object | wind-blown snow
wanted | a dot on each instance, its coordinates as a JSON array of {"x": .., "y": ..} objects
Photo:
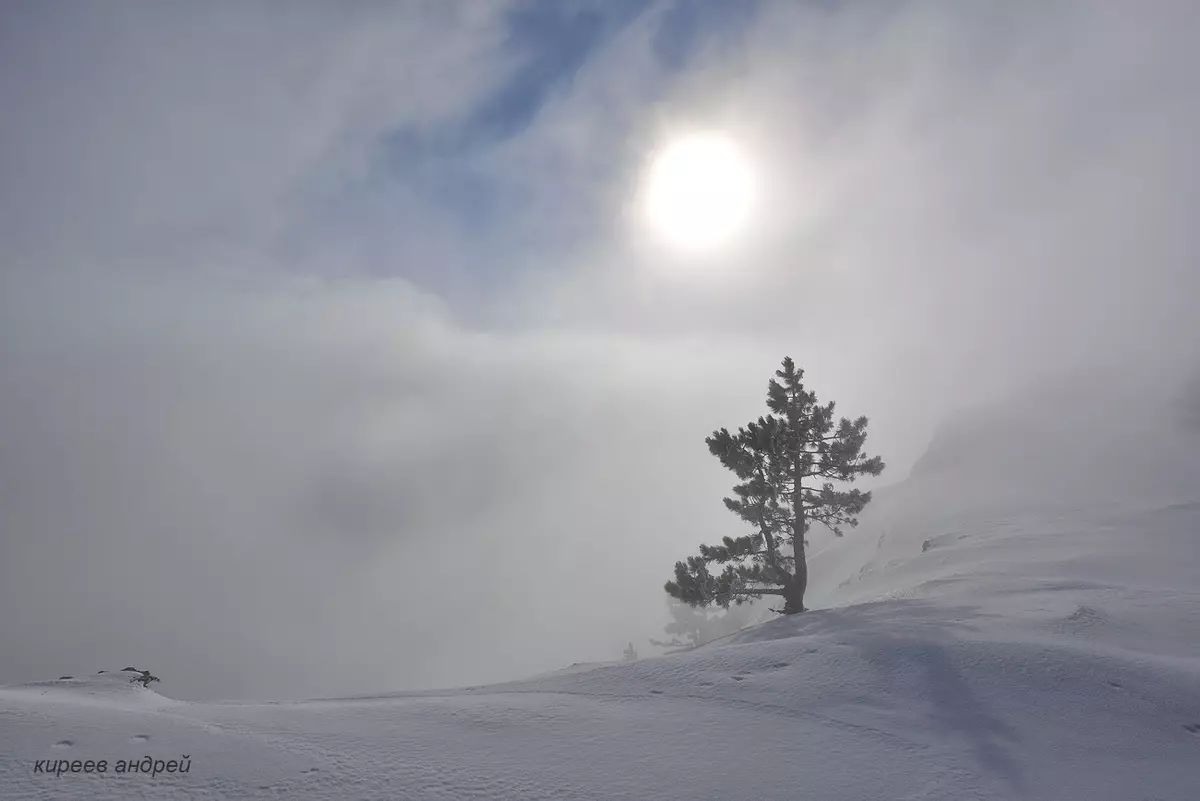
[{"x": 1020, "y": 618}]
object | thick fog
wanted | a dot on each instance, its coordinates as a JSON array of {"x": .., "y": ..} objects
[{"x": 333, "y": 358}]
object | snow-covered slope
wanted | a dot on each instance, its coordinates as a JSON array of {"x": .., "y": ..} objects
[{"x": 1018, "y": 619}]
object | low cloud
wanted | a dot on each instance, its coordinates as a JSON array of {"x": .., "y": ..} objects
[{"x": 324, "y": 437}]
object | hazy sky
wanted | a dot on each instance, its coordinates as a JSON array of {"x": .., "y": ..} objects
[{"x": 333, "y": 357}]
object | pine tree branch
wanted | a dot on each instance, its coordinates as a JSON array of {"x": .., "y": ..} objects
[{"x": 834, "y": 472}]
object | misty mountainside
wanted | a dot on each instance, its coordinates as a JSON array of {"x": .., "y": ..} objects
[
  {"x": 1025, "y": 489},
  {"x": 1018, "y": 618}
]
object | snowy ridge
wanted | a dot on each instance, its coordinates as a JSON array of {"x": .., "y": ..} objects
[
  {"x": 110, "y": 688},
  {"x": 1041, "y": 643},
  {"x": 902, "y": 699}
]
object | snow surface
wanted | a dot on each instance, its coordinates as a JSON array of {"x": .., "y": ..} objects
[{"x": 998, "y": 628}]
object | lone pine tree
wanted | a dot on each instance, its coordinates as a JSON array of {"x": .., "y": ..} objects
[{"x": 779, "y": 459}]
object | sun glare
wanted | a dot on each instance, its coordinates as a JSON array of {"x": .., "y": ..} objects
[{"x": 699, "y": 192}]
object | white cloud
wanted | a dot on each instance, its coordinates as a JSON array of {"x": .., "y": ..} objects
[
  {"x": 262, "y": 475},
  {"x": 146, "y": 131}
]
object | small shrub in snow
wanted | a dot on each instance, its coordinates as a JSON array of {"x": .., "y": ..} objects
[{"x": 143, "y": 677}]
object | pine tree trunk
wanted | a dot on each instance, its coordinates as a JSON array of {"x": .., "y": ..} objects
[{"x": 794, "y": 591}]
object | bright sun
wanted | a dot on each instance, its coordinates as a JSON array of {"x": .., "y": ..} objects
[{"x": 699, "y": 191}]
